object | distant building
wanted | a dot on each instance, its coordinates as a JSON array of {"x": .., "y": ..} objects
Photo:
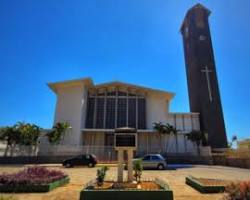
[{"x": 244, "y": 144}]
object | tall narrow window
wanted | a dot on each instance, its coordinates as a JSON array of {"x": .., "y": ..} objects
[
  {"x": 122, "y": 112},
  {"x": 141, "y": 113},
  {"x": 110, "y": 113},
  {"x": 99, "y": 113},
  {"x": 132, "y": 112},
  {"x": 90, "y": 112}
]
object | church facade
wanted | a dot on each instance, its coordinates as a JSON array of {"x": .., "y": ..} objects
[{"x": 95, "y": 110}]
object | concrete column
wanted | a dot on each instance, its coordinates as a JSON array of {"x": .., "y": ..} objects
[
  {"x": 127, "y": 110},
  {"x": 130, "y": 165},
  {"x": 120, "y": 166},
  {"x": 105, "y": 109},
  {"x": 136, "y": 111},
  {"x": 95, "y": 108},
  {"x": 116, "y": 106}
]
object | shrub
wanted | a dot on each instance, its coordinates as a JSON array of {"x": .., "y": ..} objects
[
  {"x": 58, "y": 132},
  {"x": 101, "y": 173},
  {"x": 238, "y": 191},
  {"x": 7, "y": 198},
  {"x": 138, "y": 170},
  {"x": 32, "y": 176}
]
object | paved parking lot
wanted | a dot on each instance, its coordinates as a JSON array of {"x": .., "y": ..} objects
[{"x": 174, "y": 176}]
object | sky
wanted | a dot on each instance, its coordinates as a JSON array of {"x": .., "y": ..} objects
[{"x": 135, "y": 41}]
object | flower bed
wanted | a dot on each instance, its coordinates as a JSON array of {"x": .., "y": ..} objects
[
  {"x": 32, "y": 179},
  {"x": 111, "y": 190},
  {"x": 204, "y": 185},
  {"x": 238, "y": 191}
]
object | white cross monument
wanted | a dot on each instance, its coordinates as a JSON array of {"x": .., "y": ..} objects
[{"x": 207, "y": 71}]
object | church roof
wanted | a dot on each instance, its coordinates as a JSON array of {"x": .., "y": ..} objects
[
  {"x": 53, "y": 86},
  {"x": 123, "y": 84},
  {"x": 89, "y": 82}
]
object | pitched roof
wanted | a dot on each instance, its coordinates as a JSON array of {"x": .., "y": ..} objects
[
  {"x": 53, "y": 86},
  {"x": 119, "y": 83}
]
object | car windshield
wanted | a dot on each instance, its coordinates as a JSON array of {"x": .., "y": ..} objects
[
  {"x": 78, "y": 157},
  {"x": 156, "y": 158},
  {"x": 146, "y": 158},
  {"x": 160, "y": 156}
]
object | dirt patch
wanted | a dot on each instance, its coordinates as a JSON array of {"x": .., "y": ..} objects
[
  {"x": 213, "y": 182},
  {"x": 145, "y": 185}
]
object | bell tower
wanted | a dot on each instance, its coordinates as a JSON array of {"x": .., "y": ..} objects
[{"x": 203, "y": 88}]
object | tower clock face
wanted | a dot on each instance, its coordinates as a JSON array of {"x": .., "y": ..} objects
[{"x": 202, "y": 37}]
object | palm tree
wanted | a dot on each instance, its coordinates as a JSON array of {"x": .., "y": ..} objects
[
  {"x": 172, "y": 130},
  {"x": 11, "y": 135},
  {"x": 161, "y": 129},
  {"x": 56, "y": 135},
  {"x": 29, "y": 134},
  {"x": 198, "y": 137}
]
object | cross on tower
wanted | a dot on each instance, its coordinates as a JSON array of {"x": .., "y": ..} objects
[{"x": 207, "y": 71}]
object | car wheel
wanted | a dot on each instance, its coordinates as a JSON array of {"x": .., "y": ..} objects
[
  {"x": 91, "y": 164},
  {"x": 161, "y": 167},
  {"x": 68, "y": 165}
]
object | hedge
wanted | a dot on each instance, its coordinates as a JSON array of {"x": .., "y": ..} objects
[
  {"x": 124, "y": 194},
  {"x": 193, "y": 182},
  {"x": 33, "y": 188}
]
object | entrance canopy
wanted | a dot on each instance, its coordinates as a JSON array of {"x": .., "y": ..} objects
[{"x": 125, "y": 130}]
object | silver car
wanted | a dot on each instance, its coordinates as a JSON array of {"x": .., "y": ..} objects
[{"x": 153, "y": 161}]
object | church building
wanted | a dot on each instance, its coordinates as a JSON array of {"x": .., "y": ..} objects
[{"x": 95, "y": 110}]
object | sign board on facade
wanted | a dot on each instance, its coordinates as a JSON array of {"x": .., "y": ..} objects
[{"x": 125, "y": 141}]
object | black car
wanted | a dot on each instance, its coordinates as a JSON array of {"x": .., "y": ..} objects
[{"x": 86, "y": 159}]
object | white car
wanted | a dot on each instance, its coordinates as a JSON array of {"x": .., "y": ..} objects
[{"x": 153, "y": 161}]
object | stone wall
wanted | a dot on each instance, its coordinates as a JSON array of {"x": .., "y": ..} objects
[{"x": 232, "y": 162}]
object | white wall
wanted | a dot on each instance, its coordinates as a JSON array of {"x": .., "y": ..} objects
[
  {"x": 185, "y": 122},
  {"x": 156, "y": 109},
  {"x": 71, "y": 107}
]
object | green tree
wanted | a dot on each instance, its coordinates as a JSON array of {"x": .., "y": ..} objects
[
  {"x": 172, "y": 130},
  {"x": 198, "y": 137},
  {"x": 138, "y": 170},
  {"x": 161, "y": 129},
  {"x": 56, "y": 135},
  {"x": 100, "y": 175},
  {"x": 11, "y": 135},
  {"x": 29, "y": 134},
  {"x": 168, "y": 130}
]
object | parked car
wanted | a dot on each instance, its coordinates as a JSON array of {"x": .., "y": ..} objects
[
  {"x": 86, "y": 159},
  {"x": 153, "y": 161}
]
